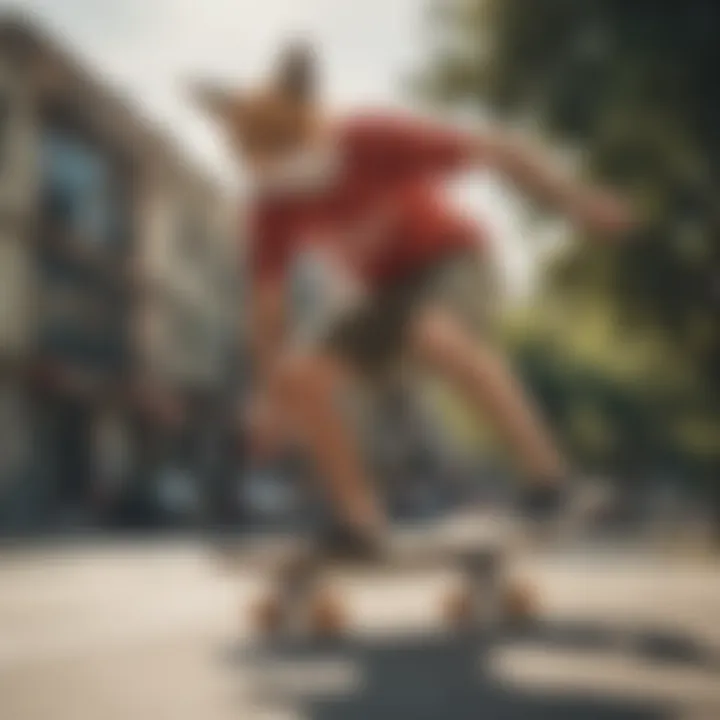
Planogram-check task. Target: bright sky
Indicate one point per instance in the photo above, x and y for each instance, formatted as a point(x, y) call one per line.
point(148, 47)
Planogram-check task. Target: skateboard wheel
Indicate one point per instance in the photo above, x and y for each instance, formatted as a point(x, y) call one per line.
point(519, 601)
point(296, 572)
point(267, 615)
point(327, 615)
point(458, 607)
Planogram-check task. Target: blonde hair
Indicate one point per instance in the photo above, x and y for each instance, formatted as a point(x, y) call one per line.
point(284, 111)
point(296, 73)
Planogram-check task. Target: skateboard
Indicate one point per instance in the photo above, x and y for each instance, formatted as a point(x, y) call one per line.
point(301, 601)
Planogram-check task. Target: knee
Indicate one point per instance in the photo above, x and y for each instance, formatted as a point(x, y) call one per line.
point(300, 377)
point(433, 337)
point(446, 345)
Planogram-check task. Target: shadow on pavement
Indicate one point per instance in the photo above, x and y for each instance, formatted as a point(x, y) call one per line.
point(445, 677)
point(653, 645)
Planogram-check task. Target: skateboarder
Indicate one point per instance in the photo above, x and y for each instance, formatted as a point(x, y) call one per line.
point(366, 189)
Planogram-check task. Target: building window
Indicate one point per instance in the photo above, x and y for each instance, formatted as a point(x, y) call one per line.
point(79, 192)
point(80, 321)
point(15, 433)
point(191, 239)
point(4, 130)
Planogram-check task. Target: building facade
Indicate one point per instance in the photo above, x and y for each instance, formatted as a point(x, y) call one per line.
point(187, 297)
point(116, 289)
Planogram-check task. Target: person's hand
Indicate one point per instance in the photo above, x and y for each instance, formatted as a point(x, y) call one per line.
point(605, 214)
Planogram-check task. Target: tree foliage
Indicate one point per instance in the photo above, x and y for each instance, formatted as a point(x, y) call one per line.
point(633, 84)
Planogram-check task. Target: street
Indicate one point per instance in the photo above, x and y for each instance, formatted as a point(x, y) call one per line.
point(158, 630)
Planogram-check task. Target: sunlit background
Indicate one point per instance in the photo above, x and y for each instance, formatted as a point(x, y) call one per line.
point(122, 300)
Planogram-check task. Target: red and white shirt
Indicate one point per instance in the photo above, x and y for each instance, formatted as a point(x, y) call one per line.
point(387, 166)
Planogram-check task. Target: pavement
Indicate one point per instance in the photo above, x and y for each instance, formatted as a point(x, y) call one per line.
point(158, 630)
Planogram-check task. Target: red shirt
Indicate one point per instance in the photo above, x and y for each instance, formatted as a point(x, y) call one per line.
point(386, 162)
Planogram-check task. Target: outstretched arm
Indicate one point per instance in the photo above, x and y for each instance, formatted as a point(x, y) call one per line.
point(266, 340)
point(404, 148)
point(267, 259)
point(265, 334)
point(534, 172)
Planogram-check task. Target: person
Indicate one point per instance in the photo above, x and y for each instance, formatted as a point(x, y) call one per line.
point(366, 188)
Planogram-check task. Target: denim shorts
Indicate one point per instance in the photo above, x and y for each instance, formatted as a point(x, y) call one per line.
point(373, 337)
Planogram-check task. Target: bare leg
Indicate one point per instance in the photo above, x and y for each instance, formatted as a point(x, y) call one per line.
point(484, 377)
point(306, 389)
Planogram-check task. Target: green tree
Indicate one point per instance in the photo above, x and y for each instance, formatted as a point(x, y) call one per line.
point(633, 85)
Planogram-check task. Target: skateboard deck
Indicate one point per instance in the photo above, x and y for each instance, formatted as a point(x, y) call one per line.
point(479, 550)
point(422, 547)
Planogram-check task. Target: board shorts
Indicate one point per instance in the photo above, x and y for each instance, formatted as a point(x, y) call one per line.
point(373, 339)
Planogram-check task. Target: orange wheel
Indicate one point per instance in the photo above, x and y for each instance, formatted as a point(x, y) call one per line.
point(267, 615)
point(458, 607)
point(327, 615)
point(520, 601)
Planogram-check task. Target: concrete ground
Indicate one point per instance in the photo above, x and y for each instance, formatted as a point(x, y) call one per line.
point(158, 630)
